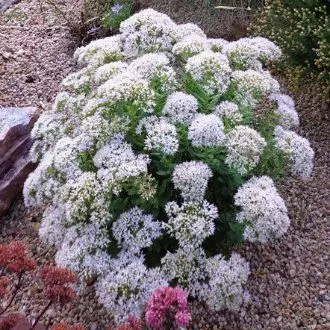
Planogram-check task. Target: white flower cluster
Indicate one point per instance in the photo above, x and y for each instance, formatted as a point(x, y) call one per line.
point(217, 44)
point(262, 209)
point(252, 86)
point(180, 107)
point(132, 153)
point(116, 163)
point(127, 87)
point(191, 179)
point(206, 131)
point(211, 70)
point(285, 109)
point(135, 230)
point(188, 29)
point(162, 136)
point(188, 267)
point(298, 150)
point(245, 146)
point(230, 111)
point(190, 46)
point(225, 288)
point(100, 52)
point(148, 32)
point(82, 250)
point(85, 201)
point(219, 282)
point(191, 222)
point(155, 67)
point(125, 290)
point(108, 71)
point(249, 53)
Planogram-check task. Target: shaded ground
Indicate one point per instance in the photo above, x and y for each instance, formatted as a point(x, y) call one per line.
point(215, 23)
point(289, 278)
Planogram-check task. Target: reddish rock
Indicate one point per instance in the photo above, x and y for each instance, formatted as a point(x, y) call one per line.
point(15, 142)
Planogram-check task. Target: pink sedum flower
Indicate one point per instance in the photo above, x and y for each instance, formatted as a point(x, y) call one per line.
point(168, 306)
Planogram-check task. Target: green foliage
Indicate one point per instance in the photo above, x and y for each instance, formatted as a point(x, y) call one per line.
point(223, 184)
point(117, 13)
point(98, 18)
point(301, 29)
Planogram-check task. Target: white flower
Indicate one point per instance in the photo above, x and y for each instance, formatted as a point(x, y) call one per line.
point(48, 129)
point(191, 179)
point(206, 131)
point(217, 45)
point(191, 222)
point(155, 67)
point(85, 201)
point(78, 80)
point(285, 109)
point(242, 55)
point(211, 70)
point(262, 209)
point(82, 250)
point(190, 45)
point(251, 86)
point(108, 71)
point(41, 186)
point(180, 107)
point(226, 280)
point(52, 229)
point(148, 32)
point(135, 230)
point(187, 267)
point(245, 146)
point(229, 110)
point(187, 29)
point(125, 291)
point(297, 148)
point(128, 87)
point(117, 163)
point(162, 136)
point(99, 52)
point(267, 50)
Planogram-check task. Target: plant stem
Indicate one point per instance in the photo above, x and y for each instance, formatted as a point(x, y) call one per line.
point(17, 287)
point(40, 315)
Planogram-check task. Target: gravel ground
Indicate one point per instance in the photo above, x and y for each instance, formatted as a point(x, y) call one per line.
point(216, 23)
point(35, 53)
point(290, 278)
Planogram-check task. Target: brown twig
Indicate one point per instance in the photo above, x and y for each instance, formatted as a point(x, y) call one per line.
point(17, 287)
point(40, 315)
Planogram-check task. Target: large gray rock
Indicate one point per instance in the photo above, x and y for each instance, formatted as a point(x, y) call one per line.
point(15, 143)
point(5, 4)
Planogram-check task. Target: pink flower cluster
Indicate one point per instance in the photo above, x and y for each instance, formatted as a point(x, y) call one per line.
point(168, 307)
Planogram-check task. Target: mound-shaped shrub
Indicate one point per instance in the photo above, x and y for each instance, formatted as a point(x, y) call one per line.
point(158, 157)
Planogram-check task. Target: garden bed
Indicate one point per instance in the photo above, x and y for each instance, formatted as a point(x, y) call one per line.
point(282, 285)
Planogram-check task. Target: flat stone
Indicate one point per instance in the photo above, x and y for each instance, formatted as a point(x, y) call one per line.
point(15, 122)
point(12, 184)
point(5, 4)
point(15, 143)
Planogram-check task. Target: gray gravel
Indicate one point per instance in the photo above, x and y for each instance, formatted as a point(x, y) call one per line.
point(290, 278)
point(35, 53)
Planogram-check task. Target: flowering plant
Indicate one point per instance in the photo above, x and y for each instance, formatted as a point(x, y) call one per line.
point(168, 306)
point(117, 13)
point(157, 157)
